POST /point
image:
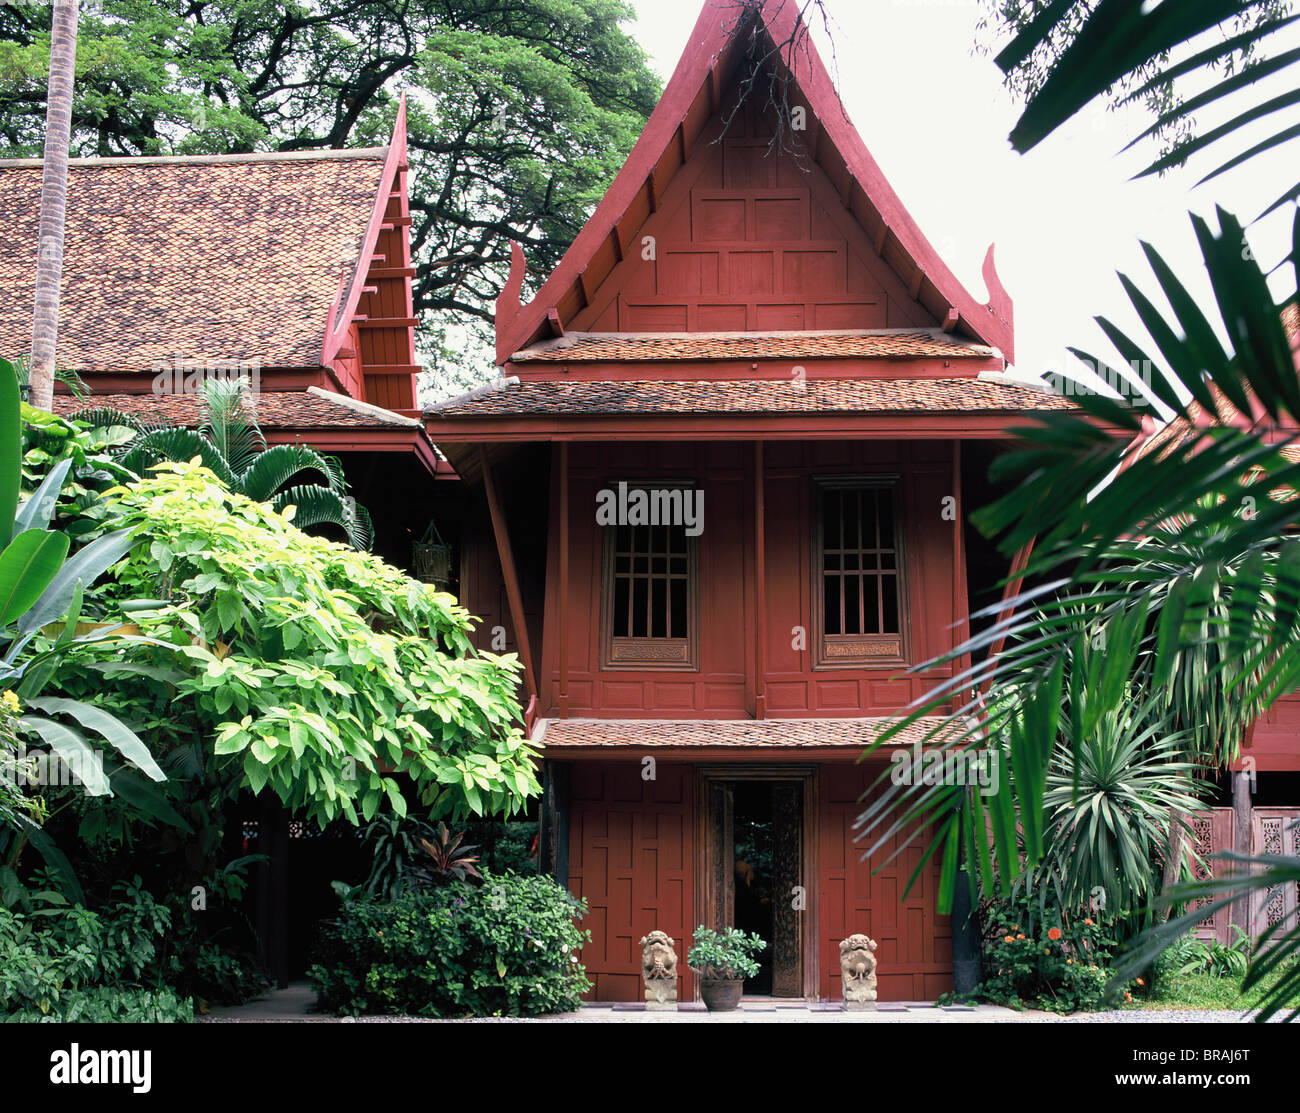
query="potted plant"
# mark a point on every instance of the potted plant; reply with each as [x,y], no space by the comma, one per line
[723,960]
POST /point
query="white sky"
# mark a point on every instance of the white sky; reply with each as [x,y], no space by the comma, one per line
[1064,217]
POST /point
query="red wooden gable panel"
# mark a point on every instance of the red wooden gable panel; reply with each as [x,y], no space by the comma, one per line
[745,240]
[679,139]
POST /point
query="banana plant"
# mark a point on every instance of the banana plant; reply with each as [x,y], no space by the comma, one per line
[230,444]
[41,594]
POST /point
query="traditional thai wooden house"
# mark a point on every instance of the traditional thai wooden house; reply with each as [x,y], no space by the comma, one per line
[292,269]
[720,489]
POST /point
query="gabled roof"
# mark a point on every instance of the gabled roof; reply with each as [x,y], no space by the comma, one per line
[690,99]
[312,408]
[254,259]
[752,396]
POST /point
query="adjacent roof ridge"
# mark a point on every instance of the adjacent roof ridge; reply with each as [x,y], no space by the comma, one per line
[367,408]
[204,160]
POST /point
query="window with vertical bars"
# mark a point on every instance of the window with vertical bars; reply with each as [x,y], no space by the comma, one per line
[858,573]
[649,595]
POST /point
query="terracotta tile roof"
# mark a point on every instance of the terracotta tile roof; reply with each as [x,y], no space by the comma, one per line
[582,347]
[760,733]
[312,408]
[741,396]
[217,258]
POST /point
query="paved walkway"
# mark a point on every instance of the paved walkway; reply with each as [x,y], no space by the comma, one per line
[295,1004]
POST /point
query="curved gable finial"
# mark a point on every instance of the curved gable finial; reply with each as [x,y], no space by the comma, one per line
[508,305]
[999,303]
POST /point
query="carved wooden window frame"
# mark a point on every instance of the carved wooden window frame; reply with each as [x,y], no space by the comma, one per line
[648,654]
[839,651]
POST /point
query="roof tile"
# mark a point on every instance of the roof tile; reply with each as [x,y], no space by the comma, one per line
[741,396]
[211,259]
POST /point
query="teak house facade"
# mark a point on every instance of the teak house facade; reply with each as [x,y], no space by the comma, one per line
[718,512]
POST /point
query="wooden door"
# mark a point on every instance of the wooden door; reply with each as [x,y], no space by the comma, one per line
[789,895]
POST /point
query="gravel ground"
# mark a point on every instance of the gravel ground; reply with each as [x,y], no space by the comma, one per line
[1164,1016]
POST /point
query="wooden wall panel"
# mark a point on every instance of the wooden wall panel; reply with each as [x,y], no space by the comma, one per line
[1274,742]
[720,686]
[914,941]
[632,856]
[746,240]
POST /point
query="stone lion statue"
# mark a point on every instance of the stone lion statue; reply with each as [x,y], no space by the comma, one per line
[858,969]
[659,969]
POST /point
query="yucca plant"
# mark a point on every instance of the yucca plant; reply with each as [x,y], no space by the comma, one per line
[230,444]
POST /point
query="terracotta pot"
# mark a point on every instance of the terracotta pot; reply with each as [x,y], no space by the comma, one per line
[721,995]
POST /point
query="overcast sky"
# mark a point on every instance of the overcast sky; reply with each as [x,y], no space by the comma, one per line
[1065,217]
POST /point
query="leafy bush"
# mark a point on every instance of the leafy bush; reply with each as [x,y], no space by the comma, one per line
[1190,955]
[104,1005]
[66,962]
[322,672]
[1038,956]
[505,948]
[724,955]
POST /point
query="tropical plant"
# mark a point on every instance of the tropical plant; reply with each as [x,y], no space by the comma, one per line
[393,843]
[231,445]
[54,200]
[1038,954]
[64,962]
[41,596]
[312,670]
[1178,558]
[508,947]
[724,955]
[446,859]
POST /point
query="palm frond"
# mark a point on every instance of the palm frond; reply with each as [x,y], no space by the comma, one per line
[280,465]
[177,446]
[319,506]
[230,422]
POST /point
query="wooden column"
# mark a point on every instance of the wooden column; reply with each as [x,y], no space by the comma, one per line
[508,573]
[562,621]
[760,588]
[1239,910]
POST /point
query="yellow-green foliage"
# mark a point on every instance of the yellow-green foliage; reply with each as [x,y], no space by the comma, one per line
[320,670]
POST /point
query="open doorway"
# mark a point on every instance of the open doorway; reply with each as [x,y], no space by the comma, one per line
[755,853]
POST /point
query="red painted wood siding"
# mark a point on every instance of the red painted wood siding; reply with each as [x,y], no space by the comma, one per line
[1275,739]
[914,943]
[744,241]
[722,686]
[632,856]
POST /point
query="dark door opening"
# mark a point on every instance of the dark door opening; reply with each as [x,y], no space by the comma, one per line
[756,850]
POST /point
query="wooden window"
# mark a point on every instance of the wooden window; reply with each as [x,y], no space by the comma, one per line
[650,613]
[858,577]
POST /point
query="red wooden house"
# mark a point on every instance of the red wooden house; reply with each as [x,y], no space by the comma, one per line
[291,268]
[718,512]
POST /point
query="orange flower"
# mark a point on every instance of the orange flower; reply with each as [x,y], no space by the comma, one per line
[1009,939]
[1141,982]
[1054,934]
[1020,936]
[1128,996]
[1088,922]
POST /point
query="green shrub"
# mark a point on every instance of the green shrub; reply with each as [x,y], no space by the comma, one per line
[1043,958]
[110,1005]
[725,955]
[67,962]
[505,948]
